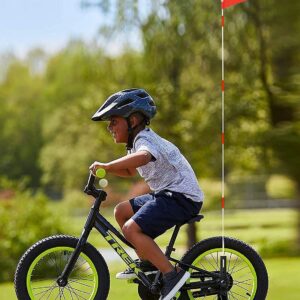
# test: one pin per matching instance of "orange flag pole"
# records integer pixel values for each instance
(224, 4)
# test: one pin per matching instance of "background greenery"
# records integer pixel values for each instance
(47, 140)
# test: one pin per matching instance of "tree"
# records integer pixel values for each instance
(276, 25)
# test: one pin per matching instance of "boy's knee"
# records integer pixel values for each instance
(123, 212)
(118, 211)
(130, 229)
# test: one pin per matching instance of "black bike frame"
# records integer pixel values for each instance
(109, 232)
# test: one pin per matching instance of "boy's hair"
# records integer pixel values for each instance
(142, 119)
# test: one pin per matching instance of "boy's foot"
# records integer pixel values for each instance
(145, 266)
(172, 283)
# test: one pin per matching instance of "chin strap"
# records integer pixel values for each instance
(129, 144)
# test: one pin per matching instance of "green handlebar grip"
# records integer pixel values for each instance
(100, 173)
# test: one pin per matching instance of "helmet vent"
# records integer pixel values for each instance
(142, 95)
(125, 102)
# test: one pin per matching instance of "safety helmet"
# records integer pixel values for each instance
(126, 102)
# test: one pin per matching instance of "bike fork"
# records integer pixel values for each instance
(63, 278)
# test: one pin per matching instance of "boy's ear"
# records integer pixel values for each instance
(133, 119)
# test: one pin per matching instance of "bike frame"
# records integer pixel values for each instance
(110, 233)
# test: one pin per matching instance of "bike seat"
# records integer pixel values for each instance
(195, 219)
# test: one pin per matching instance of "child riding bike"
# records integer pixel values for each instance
(176, 196)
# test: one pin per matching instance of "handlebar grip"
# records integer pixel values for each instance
(91, 181)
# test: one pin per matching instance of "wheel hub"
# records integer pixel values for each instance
(62, 282)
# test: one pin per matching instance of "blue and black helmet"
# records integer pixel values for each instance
(125, 103)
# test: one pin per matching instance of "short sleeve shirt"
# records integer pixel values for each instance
(169, 169)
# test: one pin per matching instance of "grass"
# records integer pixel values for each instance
(283, 279)
(260, 228)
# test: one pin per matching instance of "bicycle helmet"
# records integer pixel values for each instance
(125, 103)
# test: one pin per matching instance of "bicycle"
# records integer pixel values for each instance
(65, 267)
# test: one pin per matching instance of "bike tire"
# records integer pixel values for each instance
(241, 258)
(39, 267)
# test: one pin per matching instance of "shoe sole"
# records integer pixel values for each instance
(133, 275)
(177, 287)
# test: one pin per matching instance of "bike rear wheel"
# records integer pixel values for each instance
(39, 268)
(247, 274)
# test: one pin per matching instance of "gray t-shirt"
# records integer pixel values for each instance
(168, 169)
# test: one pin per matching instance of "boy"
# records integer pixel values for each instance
(176, 196)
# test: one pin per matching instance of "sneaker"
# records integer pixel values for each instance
(173, 283)
(145, 266)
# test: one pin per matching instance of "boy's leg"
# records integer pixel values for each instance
(173, 279)
(123, 212)
(146, 246)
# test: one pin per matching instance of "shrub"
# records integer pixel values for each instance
(281, 187)
(24, 220)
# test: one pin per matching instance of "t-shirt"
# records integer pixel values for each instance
(169, 169)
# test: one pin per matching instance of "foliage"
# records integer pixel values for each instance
(23, 221)
(47, 139)
(281, 187)
(50, 134)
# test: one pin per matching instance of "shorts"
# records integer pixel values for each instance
(157, 212)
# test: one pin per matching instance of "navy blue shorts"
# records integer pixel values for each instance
(157, 212)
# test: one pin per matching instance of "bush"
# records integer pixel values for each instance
(24, 220)
(281, 187)
(76, 202)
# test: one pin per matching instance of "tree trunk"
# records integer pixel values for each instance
(298, 216)
(191, 235)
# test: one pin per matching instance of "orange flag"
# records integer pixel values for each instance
(227, 3)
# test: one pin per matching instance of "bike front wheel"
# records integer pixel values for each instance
(246, 273)
(39, 268)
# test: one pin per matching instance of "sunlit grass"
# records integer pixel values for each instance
(259, 228)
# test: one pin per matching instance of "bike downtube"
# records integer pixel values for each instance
(123, 255)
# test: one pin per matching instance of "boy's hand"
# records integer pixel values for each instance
(97, 165)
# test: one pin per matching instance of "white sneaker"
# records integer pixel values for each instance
(145, 266)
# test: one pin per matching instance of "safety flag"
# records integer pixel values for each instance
(227, 3)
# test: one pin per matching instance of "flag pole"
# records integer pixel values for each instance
(224, 4)
(223, 131)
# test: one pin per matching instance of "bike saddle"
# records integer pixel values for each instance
(195, 219)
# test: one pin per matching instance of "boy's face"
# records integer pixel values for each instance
(119, 129)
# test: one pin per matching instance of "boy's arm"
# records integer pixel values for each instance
(126, 165)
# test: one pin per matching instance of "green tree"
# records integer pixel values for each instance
(276, 25)
(20, 121)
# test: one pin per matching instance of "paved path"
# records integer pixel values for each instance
(110, 255)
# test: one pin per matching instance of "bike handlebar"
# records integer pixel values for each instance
(91, 181)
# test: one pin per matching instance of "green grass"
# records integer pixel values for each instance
(283, 277)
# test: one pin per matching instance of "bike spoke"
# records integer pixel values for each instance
(69, 288)
(78, 282)
(231, 295)
(45, 292)
(75, 292)
(238, 294)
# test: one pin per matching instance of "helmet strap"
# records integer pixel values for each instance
(130, 136)
(131, 132)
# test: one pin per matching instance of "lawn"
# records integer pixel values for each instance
(283, 275)
(262, 228)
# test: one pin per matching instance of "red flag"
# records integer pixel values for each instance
(227, 3)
